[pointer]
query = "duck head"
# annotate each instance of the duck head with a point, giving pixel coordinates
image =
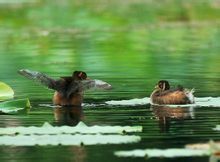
(163, 85)
(79, 75)
(88, 83)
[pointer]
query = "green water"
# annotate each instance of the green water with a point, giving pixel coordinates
(131, 45)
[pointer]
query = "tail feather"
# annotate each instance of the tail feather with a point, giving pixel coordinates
(39, 77)
(189, 94)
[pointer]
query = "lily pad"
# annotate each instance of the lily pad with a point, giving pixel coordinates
(66, 139)
(199, 102)
(217, 128)
(66, 135)
(80, 128)
(213, 147)
(168, 153)
(6, 92)
(14, 106)
(210, 148)
(131, 102)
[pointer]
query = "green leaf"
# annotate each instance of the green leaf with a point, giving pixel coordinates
(15, 106)
(6, 92)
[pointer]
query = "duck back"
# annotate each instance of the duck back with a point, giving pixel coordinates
(75, 99)
(68, 93)
(171, 97)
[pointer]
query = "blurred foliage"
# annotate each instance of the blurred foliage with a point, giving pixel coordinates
(131, 43)
(101, 14)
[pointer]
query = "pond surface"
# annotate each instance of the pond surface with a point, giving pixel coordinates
(121, 48)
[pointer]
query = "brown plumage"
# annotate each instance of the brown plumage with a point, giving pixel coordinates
(163, 95)
(68, 90)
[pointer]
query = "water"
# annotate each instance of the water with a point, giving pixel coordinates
(128, 46)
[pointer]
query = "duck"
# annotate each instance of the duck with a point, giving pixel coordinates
(68, 89)
(164, 95)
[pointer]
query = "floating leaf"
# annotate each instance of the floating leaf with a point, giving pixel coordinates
(213, 147)
(199, 102)
(203, 146)
(66, 135)
(200, 149)
(217, 128)
(80, 128)
(66, 139)
(169, 153)
(6, 92)
(131, 102)
(13, 106)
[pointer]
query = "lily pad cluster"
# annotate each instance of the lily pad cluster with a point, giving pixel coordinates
(6, 92)
(67, 135)
(199, 149)
(199, 102)
(8, 105)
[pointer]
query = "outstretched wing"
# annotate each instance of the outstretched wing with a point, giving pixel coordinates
(40, 78)
(95, 84)
(82, 85)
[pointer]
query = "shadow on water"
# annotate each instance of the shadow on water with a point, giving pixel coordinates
(165, 115)
(68, 115)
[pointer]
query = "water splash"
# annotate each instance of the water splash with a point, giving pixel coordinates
(66, 135)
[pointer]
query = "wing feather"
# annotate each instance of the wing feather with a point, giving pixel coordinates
(40, 78)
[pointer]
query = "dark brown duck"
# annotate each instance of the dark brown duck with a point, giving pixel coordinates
(163, 95)
(68, 90)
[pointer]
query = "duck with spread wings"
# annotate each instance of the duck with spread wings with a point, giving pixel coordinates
(68, 90)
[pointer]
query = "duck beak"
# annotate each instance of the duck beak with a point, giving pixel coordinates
(156, 86)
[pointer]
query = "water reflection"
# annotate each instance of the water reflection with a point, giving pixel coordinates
(68, 115)
(166, 114)
(80, 153)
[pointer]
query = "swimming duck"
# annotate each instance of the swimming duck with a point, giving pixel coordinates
(163, 95)
(68, 90)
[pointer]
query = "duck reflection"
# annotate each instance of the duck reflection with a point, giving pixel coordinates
(166, 114)
(68, 115)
